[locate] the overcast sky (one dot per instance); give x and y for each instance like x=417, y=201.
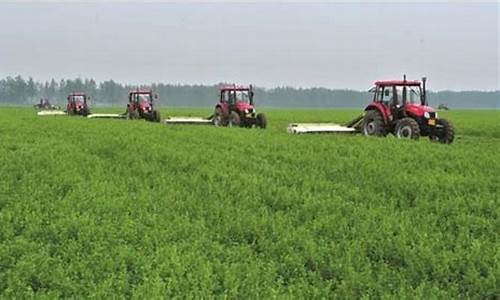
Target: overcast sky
x=331, y=45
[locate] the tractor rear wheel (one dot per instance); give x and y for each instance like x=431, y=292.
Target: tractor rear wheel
x=407, y=128
x=219, y=119
x=261, y=121
x=373, y=124
x=156, y=116
x=234, y=119
x=133, y=115
x=446, y=133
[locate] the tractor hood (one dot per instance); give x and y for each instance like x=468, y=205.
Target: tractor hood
x=144, y=105
x=242, y=106
x=79, y=104
x=419, y=110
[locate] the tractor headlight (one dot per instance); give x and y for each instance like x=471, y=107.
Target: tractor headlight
x=246, y=110
x=427, y=115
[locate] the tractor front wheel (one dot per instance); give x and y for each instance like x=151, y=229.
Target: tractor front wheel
x=407, y=128
x=261, y=121
x=445, y=134
x=156, y=116
x=373, y=124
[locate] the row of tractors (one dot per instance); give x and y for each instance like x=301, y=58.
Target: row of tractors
x=235, y=108
x=398, y=107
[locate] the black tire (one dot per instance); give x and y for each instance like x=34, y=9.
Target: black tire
x=261, y=121
x=156, y=116
x=407, y=128
x=219, y=119
x=373, y=124
x=445, y=134
x=133, y=115
x=71, y=112
x=234, y=119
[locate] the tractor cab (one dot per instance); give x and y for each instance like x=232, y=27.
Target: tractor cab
x=77, y=104
x=400, y=107
x=236, y=98
x=236, y=107
x=399, y=98
x=140, y=105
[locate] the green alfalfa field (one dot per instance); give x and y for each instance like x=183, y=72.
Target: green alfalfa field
x=116, y=208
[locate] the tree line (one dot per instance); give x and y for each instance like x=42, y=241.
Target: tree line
x=20, y=91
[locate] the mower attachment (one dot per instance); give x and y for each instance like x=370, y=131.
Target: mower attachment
x=318, y=128
x=106, y=116
x=188, y=120
x=51, y=113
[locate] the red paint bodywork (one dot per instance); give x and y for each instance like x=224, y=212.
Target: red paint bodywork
x=240, y=106
x=414, y=109
x=397, y=82
x=142, y=106
x=382, y=108
x=77, y=106
x=418, y=110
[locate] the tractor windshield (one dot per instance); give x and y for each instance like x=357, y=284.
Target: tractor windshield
x=79, y=98
x=412, y=93
x=141, y=97
x=233, y=96
x=242, y=96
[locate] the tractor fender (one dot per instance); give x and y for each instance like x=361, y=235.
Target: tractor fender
x=225, y=112
x=382, y=109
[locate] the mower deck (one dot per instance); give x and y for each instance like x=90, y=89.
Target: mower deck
x=299, y=128
x=51, y=113
x=187, y=120
x=106, y=116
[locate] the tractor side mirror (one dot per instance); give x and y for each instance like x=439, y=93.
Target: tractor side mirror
x=156, y=96
x=386, y=93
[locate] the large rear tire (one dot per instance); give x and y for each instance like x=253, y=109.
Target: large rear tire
x=261, y=121
x=133, y=115
x=234, y=119
x=373, y=124
x=219, y=119
x=445, y=134
x=407, y=128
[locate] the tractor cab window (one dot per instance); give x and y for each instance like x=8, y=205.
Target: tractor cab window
x=141, y=97
x=235, y=96
x=385, y=94
x=242, y=96
x=79, y=98
x=224, y=97
x=412, y=93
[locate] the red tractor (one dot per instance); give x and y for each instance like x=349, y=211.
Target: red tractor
x=77, y=104
x=400, y=107
x=140, y=105
x=236, y=108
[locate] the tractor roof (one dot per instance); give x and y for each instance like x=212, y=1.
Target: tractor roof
x=234, y=87
x=77, y=94
x=140, y=91
x=397, y=82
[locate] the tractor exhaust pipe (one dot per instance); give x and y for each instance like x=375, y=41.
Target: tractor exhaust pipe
x=424, y=91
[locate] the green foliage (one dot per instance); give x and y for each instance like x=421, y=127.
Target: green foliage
x=115, y=208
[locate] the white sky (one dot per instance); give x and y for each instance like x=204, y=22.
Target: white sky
x=334, y=45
